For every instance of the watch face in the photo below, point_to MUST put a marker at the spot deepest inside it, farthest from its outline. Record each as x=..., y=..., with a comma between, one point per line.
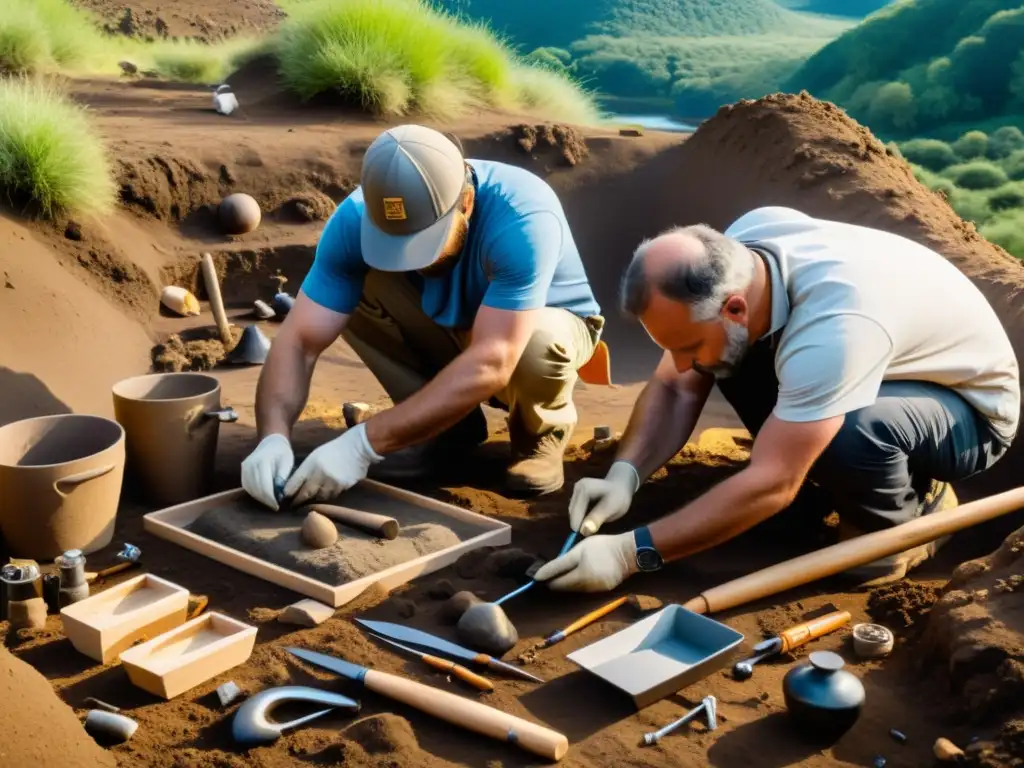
x=648, y=559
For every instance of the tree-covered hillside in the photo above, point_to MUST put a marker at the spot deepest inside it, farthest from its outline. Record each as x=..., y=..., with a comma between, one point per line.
x=855, y=9
x=919, y=64
x=682, y=56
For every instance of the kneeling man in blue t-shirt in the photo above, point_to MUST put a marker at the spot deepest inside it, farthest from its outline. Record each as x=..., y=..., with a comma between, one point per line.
x=457, y=282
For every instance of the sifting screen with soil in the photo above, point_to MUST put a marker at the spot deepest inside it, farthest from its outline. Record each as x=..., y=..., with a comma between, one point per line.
x=249, y=527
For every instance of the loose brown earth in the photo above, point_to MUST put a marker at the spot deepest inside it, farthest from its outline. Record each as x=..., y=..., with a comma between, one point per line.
x=87, y=314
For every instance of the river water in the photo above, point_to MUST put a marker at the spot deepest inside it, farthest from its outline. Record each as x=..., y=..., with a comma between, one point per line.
x=653, y=122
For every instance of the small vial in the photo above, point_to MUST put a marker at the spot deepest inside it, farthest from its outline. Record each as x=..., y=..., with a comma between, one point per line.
x=73, y=586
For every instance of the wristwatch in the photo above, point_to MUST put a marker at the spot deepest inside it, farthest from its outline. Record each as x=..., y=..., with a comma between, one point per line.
x=647, y=557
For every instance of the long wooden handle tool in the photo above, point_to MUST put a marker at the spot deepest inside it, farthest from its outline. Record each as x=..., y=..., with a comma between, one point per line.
x=854, y=552
x=457, y=710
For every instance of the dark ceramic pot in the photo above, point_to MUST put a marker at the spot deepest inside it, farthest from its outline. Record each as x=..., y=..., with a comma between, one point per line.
x=823, y=700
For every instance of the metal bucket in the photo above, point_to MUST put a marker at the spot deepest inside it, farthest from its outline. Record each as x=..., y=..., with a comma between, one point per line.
x=60, y=484
x=171, y=422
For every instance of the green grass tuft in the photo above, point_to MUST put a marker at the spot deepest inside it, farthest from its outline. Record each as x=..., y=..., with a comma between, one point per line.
x=1007, y=230
x=51, y=158
x=394, y=57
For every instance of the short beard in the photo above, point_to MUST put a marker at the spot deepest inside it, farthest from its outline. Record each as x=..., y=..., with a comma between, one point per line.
x=736, y=337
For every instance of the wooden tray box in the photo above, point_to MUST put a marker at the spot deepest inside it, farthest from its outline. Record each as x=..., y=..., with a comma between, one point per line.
x=189, y=655
x=104, y=624
x=171, y=524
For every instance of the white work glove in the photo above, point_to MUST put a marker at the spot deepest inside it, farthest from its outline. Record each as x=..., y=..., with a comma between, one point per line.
x=597, y=564
x=612, y=495
x=332, y=468
x=267, y=466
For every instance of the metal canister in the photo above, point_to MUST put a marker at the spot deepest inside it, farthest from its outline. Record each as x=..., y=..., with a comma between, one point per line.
x=73, y=586
x=20, y=582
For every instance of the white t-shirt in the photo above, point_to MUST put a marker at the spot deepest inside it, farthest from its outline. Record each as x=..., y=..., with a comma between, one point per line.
x=861, y=306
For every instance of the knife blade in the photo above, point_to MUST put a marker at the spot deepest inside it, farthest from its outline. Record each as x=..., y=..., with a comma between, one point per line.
x=439, y=644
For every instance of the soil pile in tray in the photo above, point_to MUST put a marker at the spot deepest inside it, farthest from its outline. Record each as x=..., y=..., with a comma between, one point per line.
x=276, y=537
x=38, y=728
x=978, y=626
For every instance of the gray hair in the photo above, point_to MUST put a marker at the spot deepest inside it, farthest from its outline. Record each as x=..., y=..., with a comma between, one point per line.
x=725, y=267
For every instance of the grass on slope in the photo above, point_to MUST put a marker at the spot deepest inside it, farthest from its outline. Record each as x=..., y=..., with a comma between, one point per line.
x=51, y=159
x=393, y=57
x=50, y=36
x=982, y=176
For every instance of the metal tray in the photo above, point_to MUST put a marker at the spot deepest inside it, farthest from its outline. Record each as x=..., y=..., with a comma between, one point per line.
x=660, y=654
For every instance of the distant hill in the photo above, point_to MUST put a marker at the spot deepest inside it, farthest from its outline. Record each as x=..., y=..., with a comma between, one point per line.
x=920, y=63
x=855, y=9
x=559, y=23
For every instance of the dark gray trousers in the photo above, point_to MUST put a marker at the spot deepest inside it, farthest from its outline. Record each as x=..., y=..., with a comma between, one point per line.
x=879, y=466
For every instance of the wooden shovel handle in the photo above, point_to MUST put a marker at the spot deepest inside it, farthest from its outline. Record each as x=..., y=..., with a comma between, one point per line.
x=593, y=616
x=854, y=552
x=469, y=714
x=799, y=635
x=466, y=675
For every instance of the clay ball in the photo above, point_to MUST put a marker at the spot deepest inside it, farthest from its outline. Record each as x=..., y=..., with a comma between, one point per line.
x=318, y=531
x=239, y=213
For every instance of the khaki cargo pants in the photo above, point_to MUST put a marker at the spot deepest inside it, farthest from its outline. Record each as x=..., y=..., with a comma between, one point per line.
x=404, y=349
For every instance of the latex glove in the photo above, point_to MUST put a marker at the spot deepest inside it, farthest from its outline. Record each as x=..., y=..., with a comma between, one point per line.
x=333, y=467
x=269, y=464
x=597, y=564
x=613, y=494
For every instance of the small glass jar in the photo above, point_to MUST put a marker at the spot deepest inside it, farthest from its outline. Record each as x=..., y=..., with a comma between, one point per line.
x=73, y=586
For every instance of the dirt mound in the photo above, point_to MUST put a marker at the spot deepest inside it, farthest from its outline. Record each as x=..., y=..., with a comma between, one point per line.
x=39, y=729
x=384, y=734
x=544, y=142
x=978, y=627
x=70, y=344
x=184, y=18
x=200, y=350
x=1007, y=749
x=901, y=605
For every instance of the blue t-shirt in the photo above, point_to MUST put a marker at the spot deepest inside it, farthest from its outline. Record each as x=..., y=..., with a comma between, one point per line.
x=519, y=255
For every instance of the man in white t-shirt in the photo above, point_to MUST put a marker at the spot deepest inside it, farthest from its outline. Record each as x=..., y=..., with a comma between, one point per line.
x=859, y=359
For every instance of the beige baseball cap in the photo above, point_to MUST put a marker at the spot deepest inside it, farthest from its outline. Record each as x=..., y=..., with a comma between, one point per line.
x=412, y=181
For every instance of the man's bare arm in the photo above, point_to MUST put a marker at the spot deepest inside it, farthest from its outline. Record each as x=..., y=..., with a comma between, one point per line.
x=783, y=454
x=663, y=417
x=283, y=386
x=483, y=369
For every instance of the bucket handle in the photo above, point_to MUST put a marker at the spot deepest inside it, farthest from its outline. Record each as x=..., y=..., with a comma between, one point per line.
x=197, y=417
x=76, y=480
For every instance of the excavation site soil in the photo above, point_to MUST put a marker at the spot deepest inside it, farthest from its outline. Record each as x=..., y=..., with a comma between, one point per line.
x=84, y=296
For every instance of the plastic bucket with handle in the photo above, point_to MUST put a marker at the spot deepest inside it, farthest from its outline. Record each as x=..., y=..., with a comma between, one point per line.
x=172, y=423
x=60, y=484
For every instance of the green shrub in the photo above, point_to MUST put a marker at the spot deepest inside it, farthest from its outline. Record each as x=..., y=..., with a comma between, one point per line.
x=933, y=154
x=194, y=62
x=39, y=36
x=393, y=57
x=971, y=145
x=1006, y=230
x=932, y=180
x=1007, y=197
x=51, y=158
x=978, y=174
x=1014, y=165
x=1005, y=141
x=970, y=205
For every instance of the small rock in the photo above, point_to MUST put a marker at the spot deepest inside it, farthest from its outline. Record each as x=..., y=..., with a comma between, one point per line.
x=406, y=608
x=318, y=531
x=228, y=693
x=457, y=605
x=633, y=132
x=73, y=231
x=306, y=613
x=127, y=67
x=442, y=590
x=603, y=432
x=262, y=310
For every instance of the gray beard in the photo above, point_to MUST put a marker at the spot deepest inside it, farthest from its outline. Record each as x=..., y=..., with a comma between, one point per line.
x=736, y=346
